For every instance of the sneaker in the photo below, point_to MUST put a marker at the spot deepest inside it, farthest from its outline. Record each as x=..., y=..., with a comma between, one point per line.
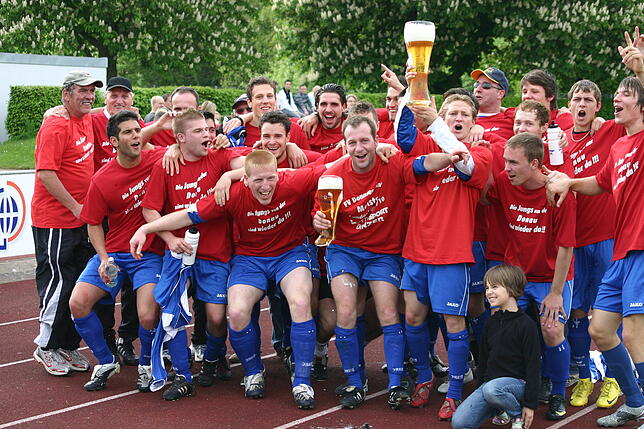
x=319, y=371
x=467, y=378
x=341, y=390
x=100, y=375
x=438, y=367
x=621, y=416
x=125, y=350
x=398, y=395
x=556, y=407
x=304, y=396
x=180, y=388
x=53, y=362
x=502, y=419
x=76, y=361
x=197, y=351
x=223, y=368
x=545, y=389
x=420, y=397
x=144, y=379
x=352, y=397
x=448, y=408
x=517, y=423
x=609, y=393
x=581, y=392
x=254, y=385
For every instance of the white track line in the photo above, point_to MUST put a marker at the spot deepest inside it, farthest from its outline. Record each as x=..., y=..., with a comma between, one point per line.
x=573, y=417
x=321, y=413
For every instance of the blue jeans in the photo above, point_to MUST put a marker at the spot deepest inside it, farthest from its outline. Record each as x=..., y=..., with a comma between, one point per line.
x=500, y=394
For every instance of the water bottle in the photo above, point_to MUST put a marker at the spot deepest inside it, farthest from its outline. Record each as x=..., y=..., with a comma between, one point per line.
x=556, y=153
x=192, y=238
x=111, y=271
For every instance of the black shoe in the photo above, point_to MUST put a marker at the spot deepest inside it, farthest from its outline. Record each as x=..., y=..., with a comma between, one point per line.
x=411, y=371
x=439, y=369
x=556, y=408
x=545, y=389
x=290, y=366
x=126, y=352
x=320, y=370
x=341, y=390
x=180, y=388
x=207, y=374
x=398, y=396
x=352, y=397
x=100, y=375
x=223, y=368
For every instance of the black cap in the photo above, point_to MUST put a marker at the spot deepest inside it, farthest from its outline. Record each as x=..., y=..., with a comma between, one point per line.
x=119, y=81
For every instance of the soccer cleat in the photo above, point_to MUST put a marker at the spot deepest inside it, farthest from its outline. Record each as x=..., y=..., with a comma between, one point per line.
x=53, y=362
x=125, y=350
x=180, y=388
x=556, y=407
x=448, y=409
x=580, y=393
x=383, y=368
x=100, y=375
x=304, y=396
x=223, y=368
x=207, y=374
x=621, y=416
x=76, y=361
x=545, y=389
x=319, y=371
x=144, y=379
x=502, y=419
x=233, y=358
x=517, y=423
x=398, y=395
x=254, y=385
x=467, y=378
x=352, y=397
x=289, y=363
x=197, y=351
x=342, y=389
x=420, y=397
x=609, y=393
x=438, y=367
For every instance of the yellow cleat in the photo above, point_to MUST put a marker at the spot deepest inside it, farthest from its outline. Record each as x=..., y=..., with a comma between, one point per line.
x=582, y=390
x=609, y=394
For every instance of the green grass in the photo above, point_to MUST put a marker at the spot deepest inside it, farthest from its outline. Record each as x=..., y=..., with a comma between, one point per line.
x=17, y=153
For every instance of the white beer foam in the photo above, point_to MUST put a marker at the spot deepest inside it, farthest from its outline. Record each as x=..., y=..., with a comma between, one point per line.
x=419, y=31
x=330, y=182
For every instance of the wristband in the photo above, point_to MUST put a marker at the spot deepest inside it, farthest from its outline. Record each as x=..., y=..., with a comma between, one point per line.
x=240, y=119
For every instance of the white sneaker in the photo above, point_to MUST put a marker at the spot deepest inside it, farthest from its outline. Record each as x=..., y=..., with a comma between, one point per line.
x=76, y=360
x=53, y=362
x=198, y=351
x=467, y=378
x=144, y=379
x=304, y=396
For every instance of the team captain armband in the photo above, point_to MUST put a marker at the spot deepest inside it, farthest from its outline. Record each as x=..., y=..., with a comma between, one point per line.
x=193, y=214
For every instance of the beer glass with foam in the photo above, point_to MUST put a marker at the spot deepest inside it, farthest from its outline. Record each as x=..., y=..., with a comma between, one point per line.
x=419, y=39
x=330, y=198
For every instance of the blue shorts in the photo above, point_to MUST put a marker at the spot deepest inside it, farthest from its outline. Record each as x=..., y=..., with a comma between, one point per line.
x=315, y=263
x=363, y=264
x=141, y=272
x=256, y=271
x=622, y=288
x=444, y=287
x=537, y=291
x=209, y=279
x=591, y=263
x=478, y=268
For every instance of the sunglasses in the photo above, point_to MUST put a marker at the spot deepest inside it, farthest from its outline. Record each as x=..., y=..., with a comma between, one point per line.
x=242, y=110
x=485, y=85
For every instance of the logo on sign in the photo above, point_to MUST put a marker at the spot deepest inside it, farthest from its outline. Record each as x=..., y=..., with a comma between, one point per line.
x=12, y=213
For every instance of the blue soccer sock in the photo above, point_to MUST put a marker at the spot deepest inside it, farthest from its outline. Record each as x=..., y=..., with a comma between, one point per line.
x=432, y=329
x=303, y=340
x=640, y=374
x=579, y=339
x=619, y=362
x=215, y=346
x=361, y=333
x=346, y=341
x=246, y=345
x=91, y=330
x=558, y=360
x=394, y=352
x=477, y=324
x=457, y=355
x=180, y=354
x=145, y=337
x=418, y=343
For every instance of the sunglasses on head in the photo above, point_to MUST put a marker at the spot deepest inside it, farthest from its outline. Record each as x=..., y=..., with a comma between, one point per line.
x=242, y=110
x=485, y=85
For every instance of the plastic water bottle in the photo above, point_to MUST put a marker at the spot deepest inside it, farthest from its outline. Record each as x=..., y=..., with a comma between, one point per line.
x=111, y=271
x=192, y=238
x=556, y=153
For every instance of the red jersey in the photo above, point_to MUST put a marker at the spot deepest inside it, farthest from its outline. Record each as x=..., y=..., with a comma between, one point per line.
x=372, y=215
x=296, y=135
x=104, y=152
x=196, y=180
x=441, y=223
x=65, y=146
x=386, y=127
x=501, y=123
x=622, y=176
x=595, y=214
x=117, y=192
x=535, y=229
x=272, y=229
x=163, y=138
x=326, y=139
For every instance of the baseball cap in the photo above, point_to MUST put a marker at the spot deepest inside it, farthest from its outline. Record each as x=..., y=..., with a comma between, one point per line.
x=240, y=99
x=119, y=82
x=495, y=75
x=81, y=78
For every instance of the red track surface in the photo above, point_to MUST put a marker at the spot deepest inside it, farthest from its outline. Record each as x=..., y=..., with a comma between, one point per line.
x=32, y=398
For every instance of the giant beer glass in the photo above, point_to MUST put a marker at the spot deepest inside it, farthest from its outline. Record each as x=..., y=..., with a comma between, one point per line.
x=330, y=198
x=419, y=39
